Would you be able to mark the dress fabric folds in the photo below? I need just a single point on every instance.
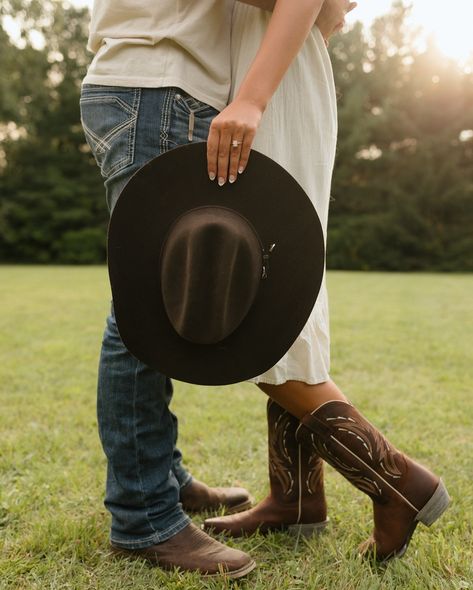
(299, 131)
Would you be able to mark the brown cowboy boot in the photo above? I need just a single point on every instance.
(403, 492)
(296, 501)
(192, 550)
(197, 496)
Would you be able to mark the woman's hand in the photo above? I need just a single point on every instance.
(232, 131)
(230, 138)
(332, 16)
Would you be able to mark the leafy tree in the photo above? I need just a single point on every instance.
(403, 189)
(52, 207)
(403, 184)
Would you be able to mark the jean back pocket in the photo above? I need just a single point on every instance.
(109, 117)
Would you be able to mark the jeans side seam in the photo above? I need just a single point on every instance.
(135, 437)
(132, 134)
(165, 121)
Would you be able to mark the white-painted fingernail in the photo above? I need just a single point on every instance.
(211, 176)
(231, 178)
(240, 170)
(221, 181)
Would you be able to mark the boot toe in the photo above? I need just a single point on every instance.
(192, 550)
(236, 564)
(234, 499)
(198, 497)
(225, 524)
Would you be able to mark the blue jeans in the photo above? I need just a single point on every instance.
(126, 127)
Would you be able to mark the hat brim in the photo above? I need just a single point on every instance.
(277, 206)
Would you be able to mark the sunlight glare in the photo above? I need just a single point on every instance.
(451, 24)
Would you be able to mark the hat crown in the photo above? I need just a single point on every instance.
(211, 266)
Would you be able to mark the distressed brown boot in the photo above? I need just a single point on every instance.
(296, 501)
(197, 497)
(403, 492)
(192, 550)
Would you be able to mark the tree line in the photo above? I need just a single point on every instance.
(402, 193)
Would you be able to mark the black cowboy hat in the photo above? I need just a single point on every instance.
(212, 285)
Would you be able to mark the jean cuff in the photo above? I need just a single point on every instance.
(155, 538)
(187, 481)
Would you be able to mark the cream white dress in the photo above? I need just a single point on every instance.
(299, 131)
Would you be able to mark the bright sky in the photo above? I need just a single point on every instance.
(451, 22)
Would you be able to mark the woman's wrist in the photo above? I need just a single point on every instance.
(258, 102)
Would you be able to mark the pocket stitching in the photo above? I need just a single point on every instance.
(110, 99)
(102, 144)
(98, 141)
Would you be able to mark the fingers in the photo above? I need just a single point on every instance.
(246, 149)
(212, 152)
(235, 155)
(230, 139)
(351, 6)
(224, 160)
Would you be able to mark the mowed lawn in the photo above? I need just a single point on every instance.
(401, 350)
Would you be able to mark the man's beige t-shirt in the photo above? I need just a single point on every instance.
(156, 43)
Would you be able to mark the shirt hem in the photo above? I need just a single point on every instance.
(134, 82)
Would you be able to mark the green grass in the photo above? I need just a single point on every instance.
(401, 351)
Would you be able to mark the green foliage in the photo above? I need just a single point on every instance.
(52, 207)
(403, 185)
(402, 188)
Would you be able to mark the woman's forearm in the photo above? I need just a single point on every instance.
(288, 28)
(233, 130)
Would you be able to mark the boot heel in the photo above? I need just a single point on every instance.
(435, 507)
(307, 530)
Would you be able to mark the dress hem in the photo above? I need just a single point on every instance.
(317, 381)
